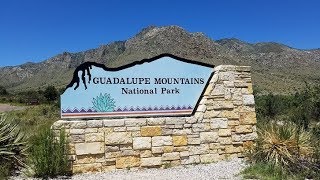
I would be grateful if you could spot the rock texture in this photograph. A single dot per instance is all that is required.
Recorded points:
(276, 67)
(222, 126)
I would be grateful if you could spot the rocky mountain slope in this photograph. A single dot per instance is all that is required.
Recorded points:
(275, 67)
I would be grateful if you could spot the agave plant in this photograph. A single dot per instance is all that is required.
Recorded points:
(103, 103)
(12, 142)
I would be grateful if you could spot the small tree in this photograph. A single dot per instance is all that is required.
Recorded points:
(51, 93)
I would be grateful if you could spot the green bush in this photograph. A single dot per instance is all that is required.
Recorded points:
(48, 154)
(12, 146)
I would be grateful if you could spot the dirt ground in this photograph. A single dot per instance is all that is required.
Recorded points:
(8, 107)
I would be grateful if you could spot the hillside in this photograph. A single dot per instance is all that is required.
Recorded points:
(275, 67)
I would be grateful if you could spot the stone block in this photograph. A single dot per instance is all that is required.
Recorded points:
(229, 149)
(184, 154)
(133, 128)
(135, 122)
(175, 121)
(151, 162)
(112, 155)
(180, 140)
(217, 123)
(243, 129)
(209, 158)
(142, 143)
(170, 156)
(108, 168)
(78, 125)
(211, 114)
(201, 149)
(222, 105)
(116, 138)
(243, 68)
(208, 90)
(91, 130)
(168, 149)
(89, 148)
(225, 140)
(197, 116)
(248, 99)
(92, 158)
(76, 138)
(249, 136)
(85, 168)
(112, 148)
(77, 131)
(127, 162)
(71, 149)
(208, 137)
(94, 137)
(224, 132)
(218, 90)
(145, 153)
(180, 148)
(182, 131)
(119, 129)
(105, 130)
(129, 152)
(161, 141)
(230, 114)
(201, 108)
(233, 122)
(113, 122)
(94, 123)
(157, 150)
(248, 118)
(151, 131)
(240, 84)
(226, 76)
(155, 121)
(198, 127)
(193, 140)
(191, 160)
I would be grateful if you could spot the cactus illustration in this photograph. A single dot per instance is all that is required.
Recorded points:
(103, 103)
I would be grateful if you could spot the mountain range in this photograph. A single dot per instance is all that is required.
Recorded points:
(275, 67)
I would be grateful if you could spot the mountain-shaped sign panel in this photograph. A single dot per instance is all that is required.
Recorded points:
(165, 85)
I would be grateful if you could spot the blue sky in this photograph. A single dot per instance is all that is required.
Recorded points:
(35, 30)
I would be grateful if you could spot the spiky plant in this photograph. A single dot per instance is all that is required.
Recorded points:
(285, 146)
(12, 143)
(103, 103)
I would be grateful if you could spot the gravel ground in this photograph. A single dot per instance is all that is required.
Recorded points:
(220, 170)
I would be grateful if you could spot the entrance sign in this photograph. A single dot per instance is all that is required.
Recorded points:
(165, 85)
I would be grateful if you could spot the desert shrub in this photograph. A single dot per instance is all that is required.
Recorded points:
(265, 171)
(35, 117)
(13, 146)
(3, 91)
(287, 147)
(48, 154)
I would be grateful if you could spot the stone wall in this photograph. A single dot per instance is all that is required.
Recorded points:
(222, 126)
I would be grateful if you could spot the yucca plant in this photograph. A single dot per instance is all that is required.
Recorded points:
(285, 146)
(13, 144)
